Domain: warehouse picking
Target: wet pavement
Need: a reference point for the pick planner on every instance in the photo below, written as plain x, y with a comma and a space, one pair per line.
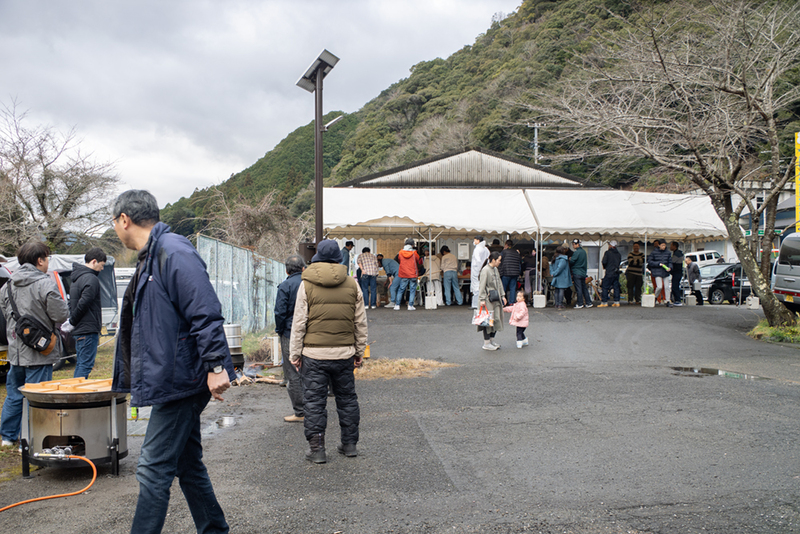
615, 420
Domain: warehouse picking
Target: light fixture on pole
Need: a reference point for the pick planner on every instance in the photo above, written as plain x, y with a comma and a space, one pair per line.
311, 81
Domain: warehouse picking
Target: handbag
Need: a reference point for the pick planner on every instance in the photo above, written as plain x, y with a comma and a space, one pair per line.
494, 296
696, 285
31, 331
482, 317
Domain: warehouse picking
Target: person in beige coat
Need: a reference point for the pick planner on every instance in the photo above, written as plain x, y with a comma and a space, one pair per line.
490, 280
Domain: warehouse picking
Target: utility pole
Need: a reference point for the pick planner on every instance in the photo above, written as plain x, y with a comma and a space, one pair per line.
536, 126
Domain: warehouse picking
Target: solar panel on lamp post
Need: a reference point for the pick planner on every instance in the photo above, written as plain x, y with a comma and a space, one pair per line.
311, 81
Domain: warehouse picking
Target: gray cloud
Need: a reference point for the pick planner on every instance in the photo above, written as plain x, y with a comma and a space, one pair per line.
183, 93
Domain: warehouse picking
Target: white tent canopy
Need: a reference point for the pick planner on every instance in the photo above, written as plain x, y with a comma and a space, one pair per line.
625, 214
594, 214
372, 212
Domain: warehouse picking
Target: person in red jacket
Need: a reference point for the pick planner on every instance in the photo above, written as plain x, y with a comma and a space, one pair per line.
409, 261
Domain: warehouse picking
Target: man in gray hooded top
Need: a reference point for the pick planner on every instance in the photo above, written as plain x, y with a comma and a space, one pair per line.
34, 294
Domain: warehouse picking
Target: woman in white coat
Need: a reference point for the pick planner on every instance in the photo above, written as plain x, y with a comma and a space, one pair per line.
479, 256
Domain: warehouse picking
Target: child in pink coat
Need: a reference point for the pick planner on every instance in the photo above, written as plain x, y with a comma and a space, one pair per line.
519, 318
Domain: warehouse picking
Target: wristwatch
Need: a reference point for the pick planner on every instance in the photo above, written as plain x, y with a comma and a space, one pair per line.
218, 369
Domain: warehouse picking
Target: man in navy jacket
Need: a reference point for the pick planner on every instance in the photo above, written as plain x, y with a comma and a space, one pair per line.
284, 312
172, 355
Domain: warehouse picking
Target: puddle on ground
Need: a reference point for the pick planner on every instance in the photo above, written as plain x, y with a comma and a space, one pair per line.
700, 372
215, 426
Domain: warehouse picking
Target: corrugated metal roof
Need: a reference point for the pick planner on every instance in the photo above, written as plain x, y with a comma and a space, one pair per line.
470, 168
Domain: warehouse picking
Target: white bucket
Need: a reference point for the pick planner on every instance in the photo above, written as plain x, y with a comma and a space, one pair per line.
430, 302
648, 301
753, 303
691, 300
539, 301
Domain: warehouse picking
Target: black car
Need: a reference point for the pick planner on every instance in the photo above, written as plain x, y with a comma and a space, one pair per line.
721, 282
730, 284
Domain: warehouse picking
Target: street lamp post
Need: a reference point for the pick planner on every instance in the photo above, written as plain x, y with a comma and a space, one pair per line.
311, 81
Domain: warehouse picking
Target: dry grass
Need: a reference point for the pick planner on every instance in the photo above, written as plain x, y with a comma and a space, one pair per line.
403, 368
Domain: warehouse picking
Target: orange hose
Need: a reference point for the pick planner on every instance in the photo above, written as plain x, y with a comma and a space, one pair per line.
94, 477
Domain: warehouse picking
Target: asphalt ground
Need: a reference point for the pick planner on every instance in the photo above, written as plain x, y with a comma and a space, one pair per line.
590, 429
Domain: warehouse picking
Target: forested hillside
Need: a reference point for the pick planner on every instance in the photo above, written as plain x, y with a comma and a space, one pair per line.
468, 99
444, 104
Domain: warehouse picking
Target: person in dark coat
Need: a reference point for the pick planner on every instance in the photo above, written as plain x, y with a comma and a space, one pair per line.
578, 263
660, 264
329, 337
284, 313
611, 261
676, 273
510, 269
171, 354
85, 309
694, 278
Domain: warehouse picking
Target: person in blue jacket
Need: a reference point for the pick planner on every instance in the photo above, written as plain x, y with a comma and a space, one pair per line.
559, 271
392, 268
284, 313
578, 264
171, 354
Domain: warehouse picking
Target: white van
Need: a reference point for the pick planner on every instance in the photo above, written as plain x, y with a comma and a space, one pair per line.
786, 273
704, 257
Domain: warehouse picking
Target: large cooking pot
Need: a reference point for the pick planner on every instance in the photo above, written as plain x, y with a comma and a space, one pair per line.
70, 391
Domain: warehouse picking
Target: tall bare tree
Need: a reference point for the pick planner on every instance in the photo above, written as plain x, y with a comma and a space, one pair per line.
48, 186
699, 88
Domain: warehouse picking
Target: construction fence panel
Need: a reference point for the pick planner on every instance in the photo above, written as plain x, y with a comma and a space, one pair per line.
246, 283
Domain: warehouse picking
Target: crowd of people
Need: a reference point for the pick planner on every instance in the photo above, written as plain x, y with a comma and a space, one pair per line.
320, 316
560, 274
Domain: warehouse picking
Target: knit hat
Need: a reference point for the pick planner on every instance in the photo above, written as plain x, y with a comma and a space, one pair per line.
410, 242
328, 252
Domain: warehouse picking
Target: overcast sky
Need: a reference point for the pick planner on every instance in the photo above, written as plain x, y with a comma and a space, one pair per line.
183, 93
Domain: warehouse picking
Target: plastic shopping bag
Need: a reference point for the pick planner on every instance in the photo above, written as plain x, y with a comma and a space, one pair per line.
482, 317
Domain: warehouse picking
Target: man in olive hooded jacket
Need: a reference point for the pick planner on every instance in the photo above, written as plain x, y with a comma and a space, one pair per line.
329, 336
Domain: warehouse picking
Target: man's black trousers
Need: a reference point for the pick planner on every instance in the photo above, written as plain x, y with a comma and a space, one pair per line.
316, 376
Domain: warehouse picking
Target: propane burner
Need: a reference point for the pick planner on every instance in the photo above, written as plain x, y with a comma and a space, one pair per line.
78, 415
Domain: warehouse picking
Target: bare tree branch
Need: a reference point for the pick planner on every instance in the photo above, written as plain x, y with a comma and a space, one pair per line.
49, 188
696, 88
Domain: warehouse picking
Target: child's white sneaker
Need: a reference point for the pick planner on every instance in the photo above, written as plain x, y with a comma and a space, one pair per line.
525, 342
519, 344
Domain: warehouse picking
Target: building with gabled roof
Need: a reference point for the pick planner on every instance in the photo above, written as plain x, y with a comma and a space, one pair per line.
472, 168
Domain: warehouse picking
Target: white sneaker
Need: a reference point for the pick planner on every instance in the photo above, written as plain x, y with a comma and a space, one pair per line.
589, 305
374, 307
525, 342
6, 443
390, 305
411, 308
396, 306
519, 344
578, 306
489, 346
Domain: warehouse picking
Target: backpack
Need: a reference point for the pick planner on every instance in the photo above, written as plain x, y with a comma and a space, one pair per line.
31, 331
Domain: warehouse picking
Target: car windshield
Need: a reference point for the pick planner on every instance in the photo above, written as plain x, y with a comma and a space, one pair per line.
711, 271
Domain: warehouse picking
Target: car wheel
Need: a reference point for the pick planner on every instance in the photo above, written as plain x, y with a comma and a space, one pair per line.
716, 296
